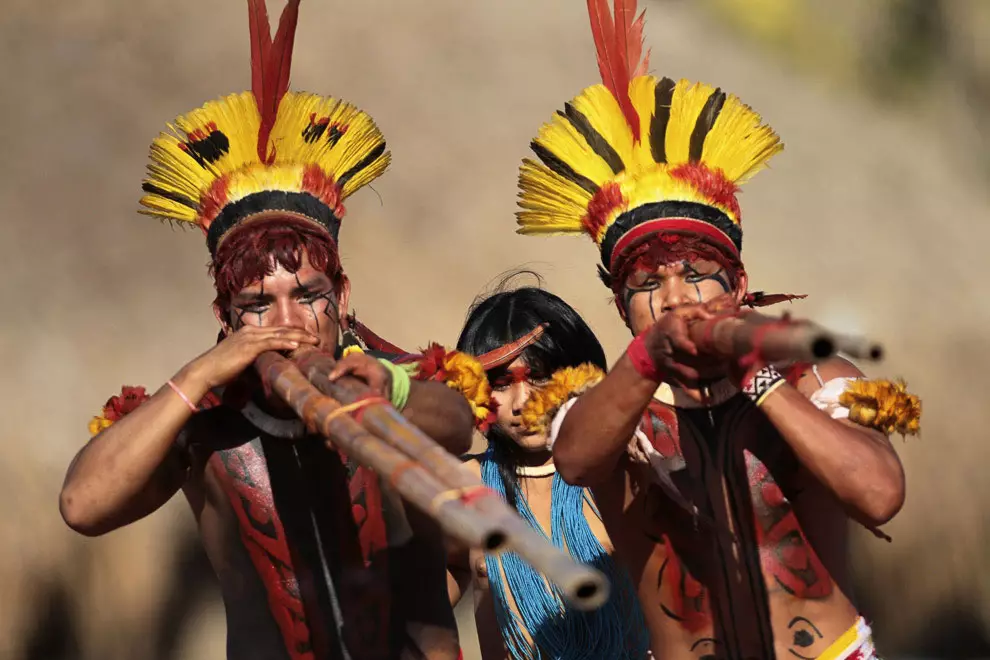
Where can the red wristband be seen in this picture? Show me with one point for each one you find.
(642, 361)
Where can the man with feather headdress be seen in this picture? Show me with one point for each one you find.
(317, 557)
(730, 503)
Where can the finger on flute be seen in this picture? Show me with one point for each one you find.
(387, 423)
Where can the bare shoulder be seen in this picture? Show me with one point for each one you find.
(836, 367)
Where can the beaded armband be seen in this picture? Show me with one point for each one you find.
(763, 382)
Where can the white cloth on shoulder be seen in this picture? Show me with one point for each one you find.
(826, 398)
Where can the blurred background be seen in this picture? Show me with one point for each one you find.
(878, 209)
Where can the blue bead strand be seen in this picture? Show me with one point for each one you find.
(616, 630)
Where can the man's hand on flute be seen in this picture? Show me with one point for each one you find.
(679, 360)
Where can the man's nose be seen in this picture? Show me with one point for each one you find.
(290, 315)
(674, 293)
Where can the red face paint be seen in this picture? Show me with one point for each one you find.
(513, 376)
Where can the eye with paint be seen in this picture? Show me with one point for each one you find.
(315, 297)
(706, 271)
(249, 312)
(511, 376)
(641, 280)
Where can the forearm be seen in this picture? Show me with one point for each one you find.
(597, 429)
(856, 464)
(125, 472)
(442, 414)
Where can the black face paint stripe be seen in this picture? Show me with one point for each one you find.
(262, 294)
(704, 123)
(312, 309)
(594, 139)
(562, 168)
(663, 93)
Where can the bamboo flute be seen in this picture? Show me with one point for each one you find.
(584, 588)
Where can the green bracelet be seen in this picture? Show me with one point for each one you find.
(400, 384)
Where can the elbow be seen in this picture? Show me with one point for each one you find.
(571, 467)
(77, 515)
(885, 499)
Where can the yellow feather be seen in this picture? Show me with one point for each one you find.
(601, 109)
(884, 405)
(685, 107)
(551, 204)
(566, 383)
(739, 143)
(642, 91)
(563, 141)
(335, 157)
(175, 173)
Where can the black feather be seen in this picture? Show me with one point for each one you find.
(595, 140)
(562, 168)
(662, 95)
(707, 118)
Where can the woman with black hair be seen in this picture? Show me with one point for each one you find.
(526, 336)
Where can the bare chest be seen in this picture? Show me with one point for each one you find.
(730, 557)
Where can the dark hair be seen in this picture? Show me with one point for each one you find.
(508, 315)
(253, 252)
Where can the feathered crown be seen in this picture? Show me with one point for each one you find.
(264, 153)
(639, 155)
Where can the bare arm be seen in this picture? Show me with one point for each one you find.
(433, 408)
(858, 465)
(442, 414)
(597, 429)
(133, 468)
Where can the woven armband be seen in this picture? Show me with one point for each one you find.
(763, 382)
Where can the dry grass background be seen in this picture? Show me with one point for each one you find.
(871, 210)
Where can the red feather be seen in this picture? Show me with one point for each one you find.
(622, 20)
(619, 43)
(261, 44)
(281, 57)
(270, 64)
(636, 47)
(277, 76)
(603, 32)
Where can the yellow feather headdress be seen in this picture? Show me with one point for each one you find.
(264, 153)
(639, 155)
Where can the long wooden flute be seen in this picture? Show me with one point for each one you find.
(776, 340)
(422, 472)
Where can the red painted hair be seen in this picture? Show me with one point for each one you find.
(665, 248)
(252, 252)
